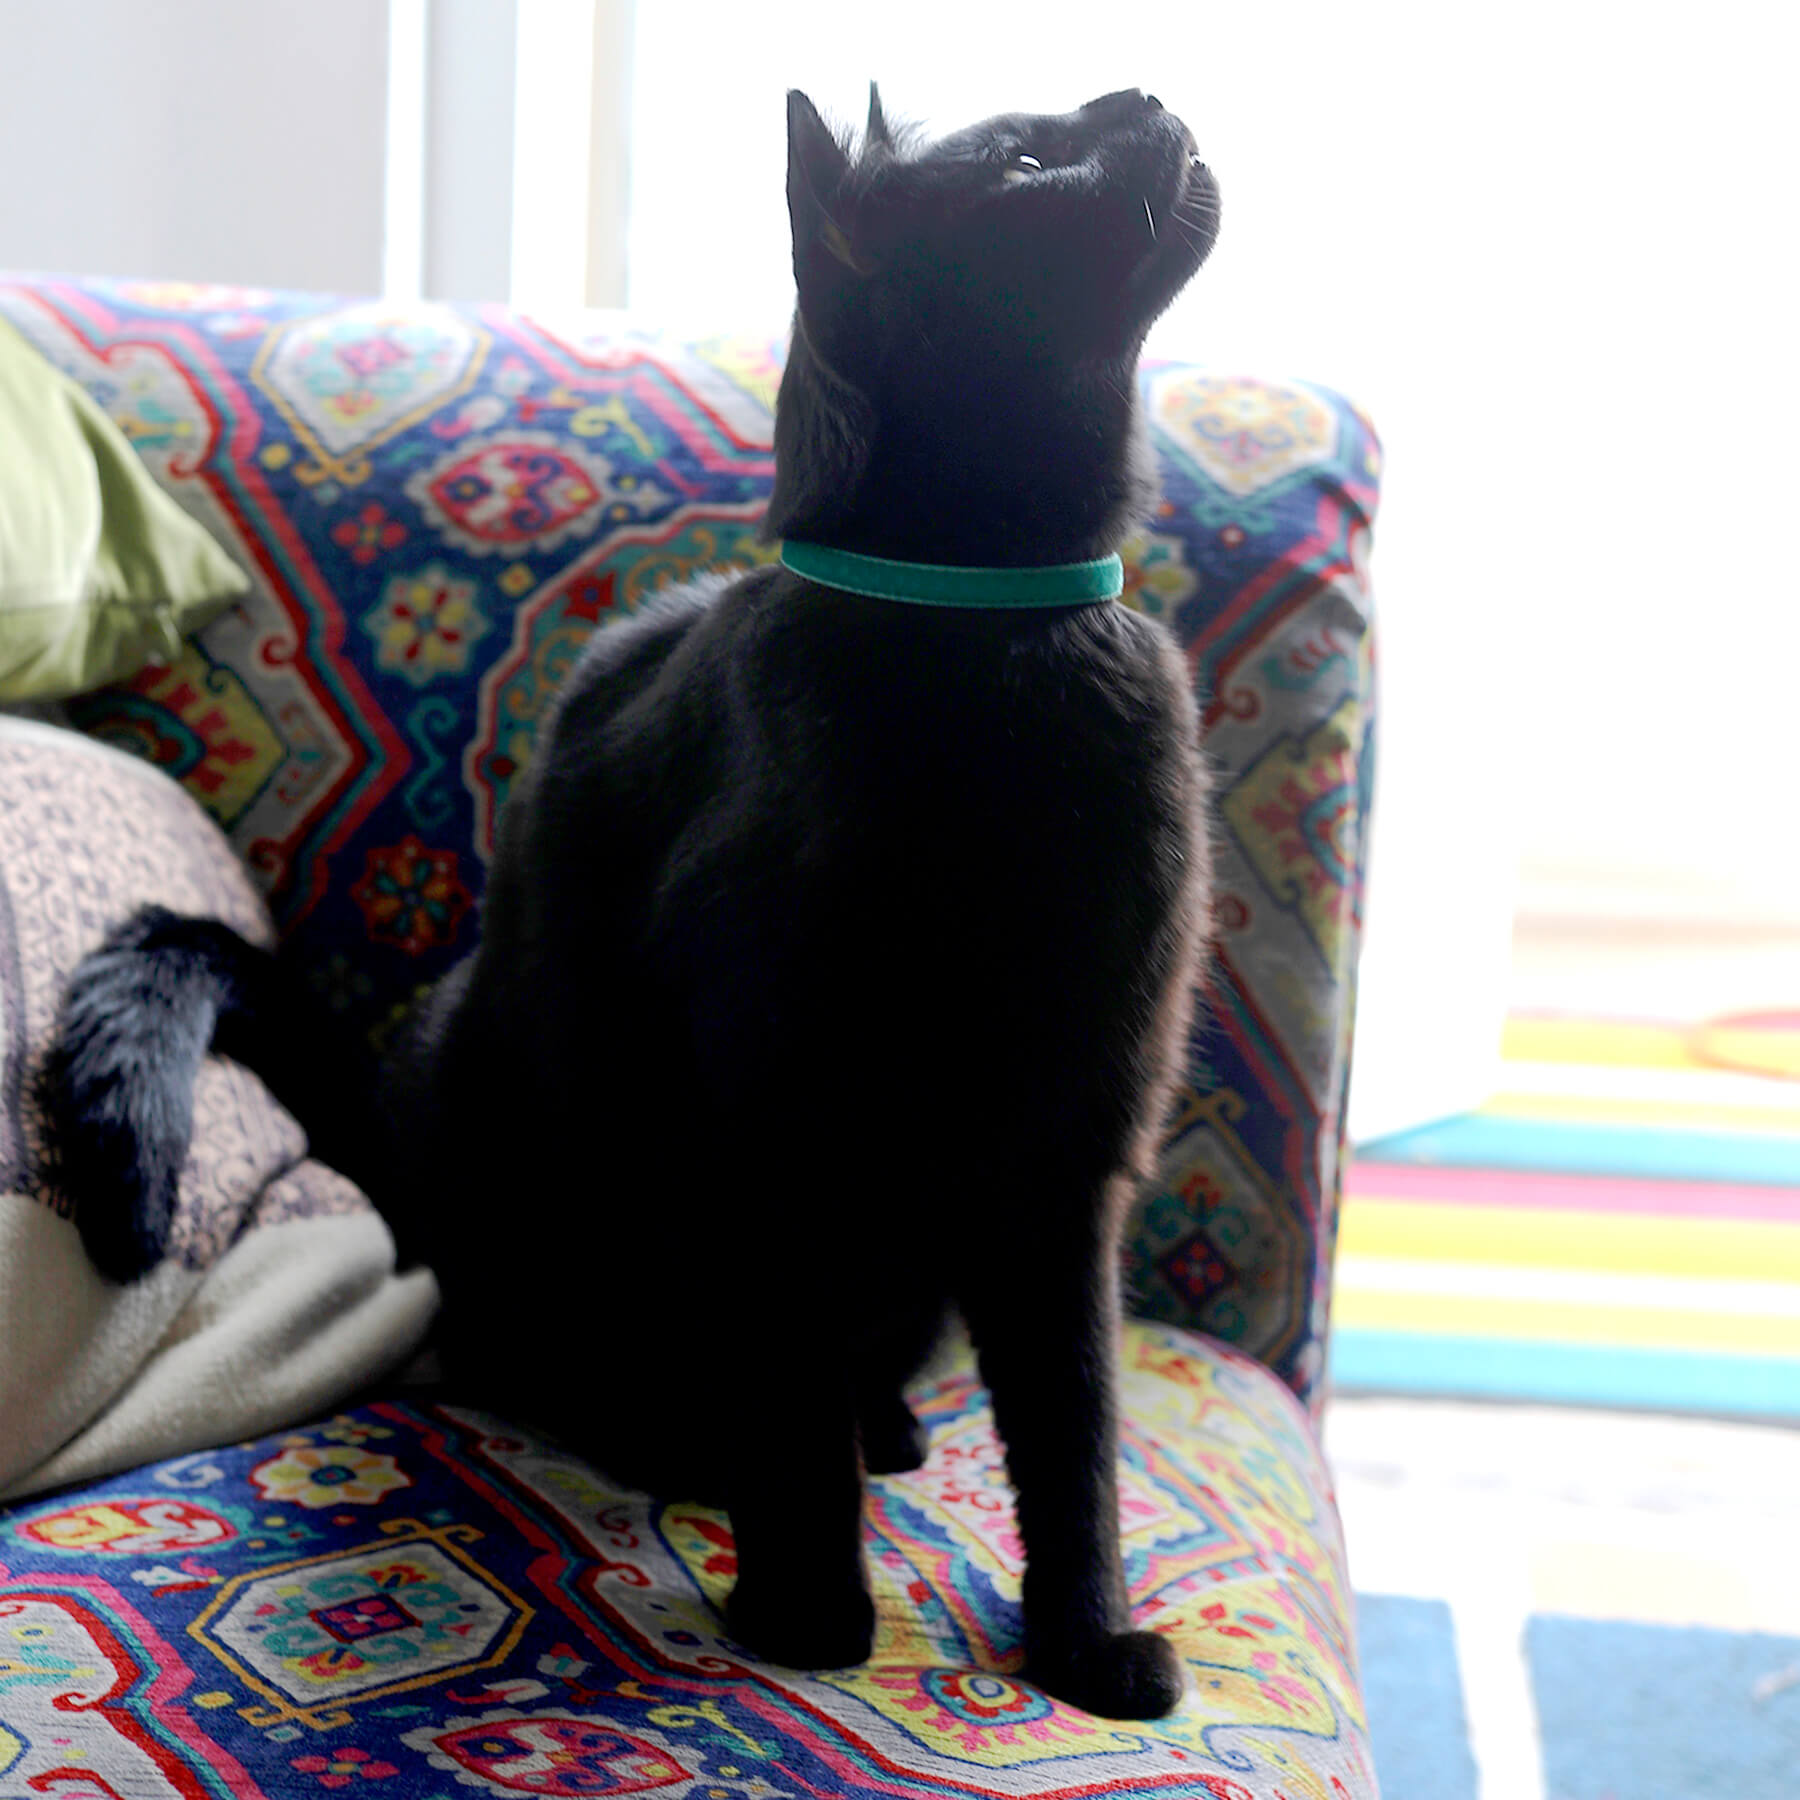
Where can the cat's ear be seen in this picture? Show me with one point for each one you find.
(817, 165)
(876, 132)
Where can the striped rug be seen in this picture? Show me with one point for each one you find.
(1619, 1226)
(1656, 1712)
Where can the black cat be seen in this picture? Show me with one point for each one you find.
(837, 950)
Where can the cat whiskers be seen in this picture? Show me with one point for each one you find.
(1150, 220)
(1196, 218)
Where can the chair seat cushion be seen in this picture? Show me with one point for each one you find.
(424, 1601)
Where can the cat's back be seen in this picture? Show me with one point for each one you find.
(1069, 727)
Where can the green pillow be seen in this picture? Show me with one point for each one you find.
(99, 569)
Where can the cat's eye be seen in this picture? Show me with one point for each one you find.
(1022, 165)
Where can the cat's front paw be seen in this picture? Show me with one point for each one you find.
(1131, 1675)
(803, 1627)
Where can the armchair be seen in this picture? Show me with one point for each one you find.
(437, 505)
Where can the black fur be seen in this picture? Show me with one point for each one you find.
(836, 952)
(118, 1085)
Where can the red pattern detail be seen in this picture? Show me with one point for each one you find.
(412, 897)
(50, 1780)
(1195, 1268)
(369, 356)
(342, 1767)
(510, 493)
(561, 1756)
(589, 595)
(724, 1560)
(172, 1678)
(224, 748)
(130, 1527)
(369, 533)
(1307, 569)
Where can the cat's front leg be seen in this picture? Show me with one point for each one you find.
(1046, 1329)
(893, 1440)
(795, 1497)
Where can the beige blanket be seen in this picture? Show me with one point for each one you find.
(279, 1297)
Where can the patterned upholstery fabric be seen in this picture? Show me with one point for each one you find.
(420, 1602)
(438, 504)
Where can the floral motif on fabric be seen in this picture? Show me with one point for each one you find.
(339, 1475)
(1157, 576)
(425, 625)
(344, 1766)
(527, 492)
(369, 534)
(412, 897)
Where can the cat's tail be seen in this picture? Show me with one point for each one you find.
(139, 1017)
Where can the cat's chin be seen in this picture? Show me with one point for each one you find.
(1195, 207)
(1181, 226)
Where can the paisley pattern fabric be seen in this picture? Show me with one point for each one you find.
(417, 1601)
(438, 504)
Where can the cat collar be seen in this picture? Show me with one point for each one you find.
(956, 584)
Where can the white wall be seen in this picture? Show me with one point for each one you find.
(211, 140)
(464, 149)
(470, 120)
(521, 150)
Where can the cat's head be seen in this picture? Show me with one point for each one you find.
(969, 317)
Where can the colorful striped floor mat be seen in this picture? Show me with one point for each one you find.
(1619, 1226)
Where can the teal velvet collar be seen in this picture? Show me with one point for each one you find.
(949, 584)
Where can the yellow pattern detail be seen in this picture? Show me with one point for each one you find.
(1275, 812)
(241, 749)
